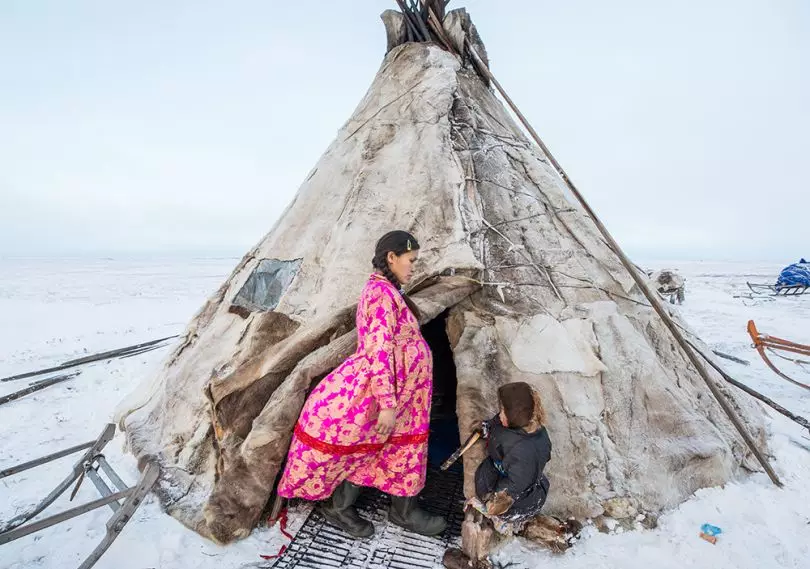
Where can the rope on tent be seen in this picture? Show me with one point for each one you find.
(543, 270)
(482, 68)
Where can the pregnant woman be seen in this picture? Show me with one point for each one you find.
(367, 422)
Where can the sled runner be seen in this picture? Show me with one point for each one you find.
(763, 342)
(777, 290)
(121, 499)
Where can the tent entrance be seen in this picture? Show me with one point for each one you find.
(317, 544)
(444, 432)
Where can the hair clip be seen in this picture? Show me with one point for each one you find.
(409, 246)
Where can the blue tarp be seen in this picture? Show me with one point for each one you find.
(797, 274)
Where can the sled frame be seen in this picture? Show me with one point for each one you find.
(121, 499)
(763, 342)
(776, 290)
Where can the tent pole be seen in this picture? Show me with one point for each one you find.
(435, 23)
(656, 304)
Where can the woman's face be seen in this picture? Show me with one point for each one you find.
(402, 265)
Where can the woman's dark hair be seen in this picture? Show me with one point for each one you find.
(398, 243)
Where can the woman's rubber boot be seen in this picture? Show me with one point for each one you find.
(406, 513)
(339, 510)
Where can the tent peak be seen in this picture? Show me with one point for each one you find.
(428, 21)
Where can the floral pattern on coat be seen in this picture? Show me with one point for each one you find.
(335, 437)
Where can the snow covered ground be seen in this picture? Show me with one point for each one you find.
(51, 311)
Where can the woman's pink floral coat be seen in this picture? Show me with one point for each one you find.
(335, 437)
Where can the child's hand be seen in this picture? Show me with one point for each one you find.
(499, 503)
(484, 430)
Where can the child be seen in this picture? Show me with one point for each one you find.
(510, 485)
(510, 481)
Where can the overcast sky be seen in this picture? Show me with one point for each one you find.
(187, 126)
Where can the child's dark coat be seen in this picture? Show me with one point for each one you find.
(515, 465)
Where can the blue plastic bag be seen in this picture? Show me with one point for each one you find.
(711, 530)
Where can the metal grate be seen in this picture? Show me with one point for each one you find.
(319, 545)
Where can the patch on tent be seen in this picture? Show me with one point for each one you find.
(541, 344)
(265, 286)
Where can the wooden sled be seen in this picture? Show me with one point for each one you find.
(763, 342)
(121, 499)
(774, 290)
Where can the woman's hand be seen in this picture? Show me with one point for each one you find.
(385, 421)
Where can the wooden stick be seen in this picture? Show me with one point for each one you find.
(89, 359)
(116, 352)
(792, 360)
(614, 246)
(797, 418)
(37, 386)
(785, 348)
(19, 532)
(774, 342)
(471, 440)
(412, 21)
(78, 469)
(140, 351)
(732, 358)
(436, 25)
(419, 19)
(800, 351)
(278, 504)
(45, 459)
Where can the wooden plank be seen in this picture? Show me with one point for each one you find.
(116, 523)
(45, 459)
(78, 468)
(111, 474)
(88, 359)
(22, 531)
(102, 487)
(140, 351)
(37, 386)
(731, 358)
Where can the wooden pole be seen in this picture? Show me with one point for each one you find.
(37, 386)
(415, 22)
(146, 346)
(19, 532)
(36, 462)
(436, 24)
(730, 357)
(797, 418)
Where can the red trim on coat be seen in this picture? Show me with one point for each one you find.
(343, 450)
